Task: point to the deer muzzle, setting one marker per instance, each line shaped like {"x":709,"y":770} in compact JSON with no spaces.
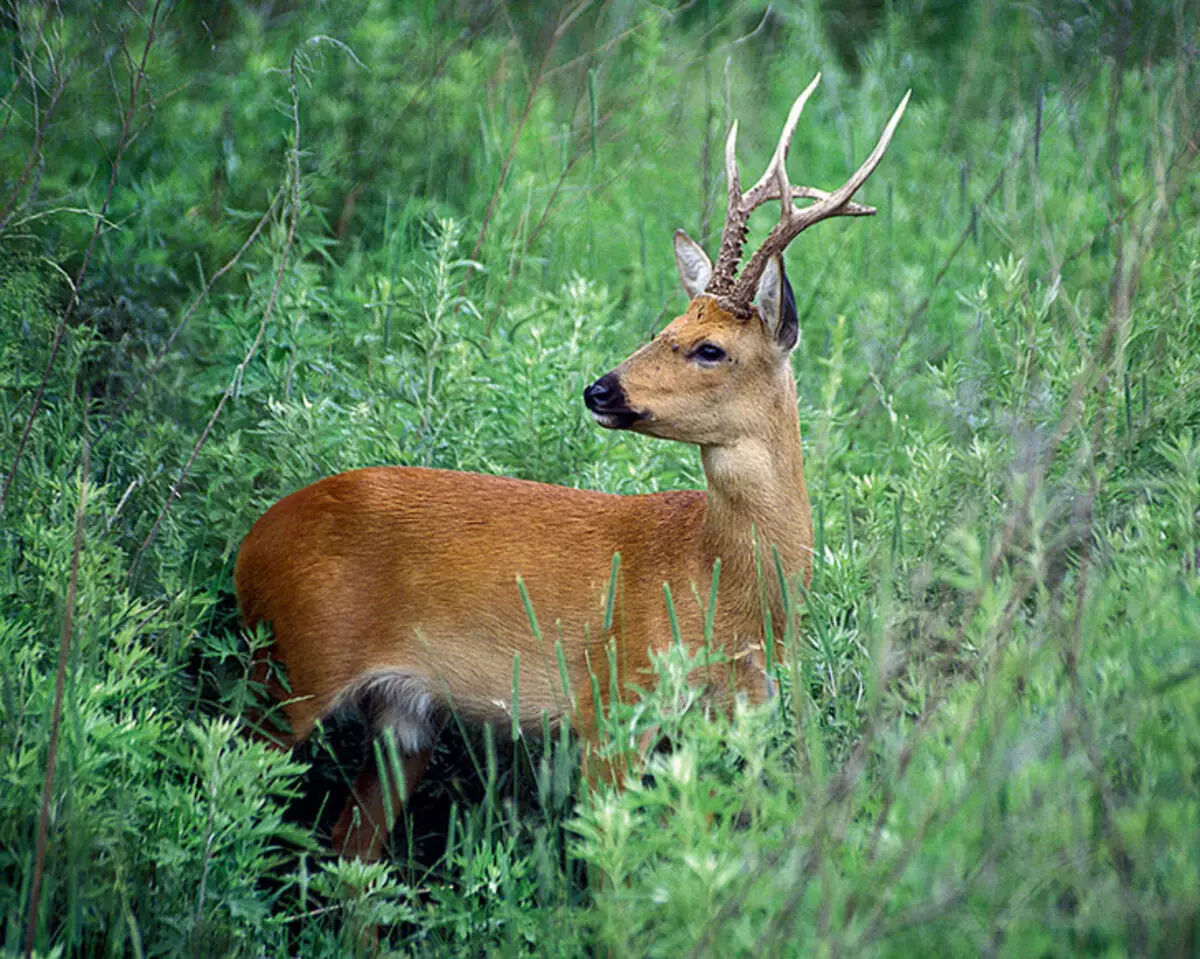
{"x":609,"y":405}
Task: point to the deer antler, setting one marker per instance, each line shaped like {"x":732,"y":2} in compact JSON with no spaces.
{"x":735,"y":294}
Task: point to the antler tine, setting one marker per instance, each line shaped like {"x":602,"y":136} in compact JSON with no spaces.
{"x":812,"y":193}
{"x":733,"y":236}
{"x":731,"y":170}
{"x":777,"y":169}
{"x":794,"y":221}
{"x":815,"y":213}
{"x":773,"y":183}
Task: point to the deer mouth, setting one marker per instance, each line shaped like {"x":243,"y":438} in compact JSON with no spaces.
{"x":617,"y":419}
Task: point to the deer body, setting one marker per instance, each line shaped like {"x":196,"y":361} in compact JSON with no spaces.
{"x":397,"y":587}
{"x":410,"y":575}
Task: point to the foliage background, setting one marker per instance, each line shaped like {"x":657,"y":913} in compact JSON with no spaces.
{"x":235,"y":255}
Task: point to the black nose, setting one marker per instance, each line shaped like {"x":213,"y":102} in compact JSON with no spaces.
{"x":604,"y":395}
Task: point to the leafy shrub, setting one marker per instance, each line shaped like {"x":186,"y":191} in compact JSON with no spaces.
{"x":988,"y":738}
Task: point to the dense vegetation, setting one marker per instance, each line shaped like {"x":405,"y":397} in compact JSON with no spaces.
{"x":247,"y":244}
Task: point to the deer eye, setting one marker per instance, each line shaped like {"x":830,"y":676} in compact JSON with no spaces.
{"x":707,"y":353}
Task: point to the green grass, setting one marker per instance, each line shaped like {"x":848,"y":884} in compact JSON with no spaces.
{"x":990,"y":735}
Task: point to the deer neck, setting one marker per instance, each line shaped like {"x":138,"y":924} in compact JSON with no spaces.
{"x":757,"y":499}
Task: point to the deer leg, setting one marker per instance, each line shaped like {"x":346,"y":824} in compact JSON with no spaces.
{"x":364,"y":825}
{"x":398,"y":703}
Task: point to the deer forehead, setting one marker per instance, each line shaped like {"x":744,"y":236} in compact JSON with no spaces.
{"x":703,"y":320}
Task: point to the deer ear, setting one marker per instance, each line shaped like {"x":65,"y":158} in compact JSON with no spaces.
{"x":777,"y":305}
{"x":694,"y":265}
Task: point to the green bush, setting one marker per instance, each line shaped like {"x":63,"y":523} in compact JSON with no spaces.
{"x":989,"y":738}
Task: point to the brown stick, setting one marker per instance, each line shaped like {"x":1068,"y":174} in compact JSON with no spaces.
{"x":126,"y":125}
{"x":561,"y":29}
{"x":41,"y":121}
{"x":262,"y":326}
{"x":64,"y":649}
{"x":195,"y":304}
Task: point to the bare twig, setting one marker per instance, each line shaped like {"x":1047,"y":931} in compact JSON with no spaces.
{"x":541,"y":223}
{"x":563,"y":25}
{"x":42,"y":118}
{"x":430,"y":75}
{"x":64,"y":649}
{"x":588,"y":59}
{"x":920,"y":309}
{"x":166,"y":347}
{"x":920,"y":915}
{"x":135,"y":87}
{"x":240,"y":370}
{"x":914,"y":316}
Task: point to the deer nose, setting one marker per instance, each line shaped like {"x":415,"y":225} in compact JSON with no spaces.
{"x":604,"y":395}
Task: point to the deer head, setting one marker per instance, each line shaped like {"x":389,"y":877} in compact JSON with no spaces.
{"x":712,"y":375}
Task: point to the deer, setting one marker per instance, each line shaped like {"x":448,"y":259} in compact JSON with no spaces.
{"x":404,"y":590}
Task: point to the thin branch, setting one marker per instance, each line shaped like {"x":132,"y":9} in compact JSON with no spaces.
{"x":64,"y":649}
{"x":920,"y":309}
{"x":515,"y":271}
{"x":41,"y":120}
{"x":559,"y":31}
{"x":240,"y":370}
{"x":166,"y":348}
{"x":126,"y":125}
{"x":386,"y":138}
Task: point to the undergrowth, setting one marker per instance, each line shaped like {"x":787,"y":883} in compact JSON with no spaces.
{"x":448,"y":220}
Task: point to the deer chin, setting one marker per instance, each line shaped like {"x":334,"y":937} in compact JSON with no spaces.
{"x":617,"y":419}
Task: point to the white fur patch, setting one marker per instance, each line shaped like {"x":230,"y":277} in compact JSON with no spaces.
{"x":400,"y":701}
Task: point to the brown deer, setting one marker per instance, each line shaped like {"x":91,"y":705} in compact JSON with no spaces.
{"x":397,"y":588}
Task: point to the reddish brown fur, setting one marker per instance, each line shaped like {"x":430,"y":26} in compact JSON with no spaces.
{"x":349,"y":570}
{"x":411,"y":573}
{"x":415,"y":570}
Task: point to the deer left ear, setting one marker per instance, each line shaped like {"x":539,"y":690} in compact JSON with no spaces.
{"x":695,"y":268}
{"x":777,"y":305}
